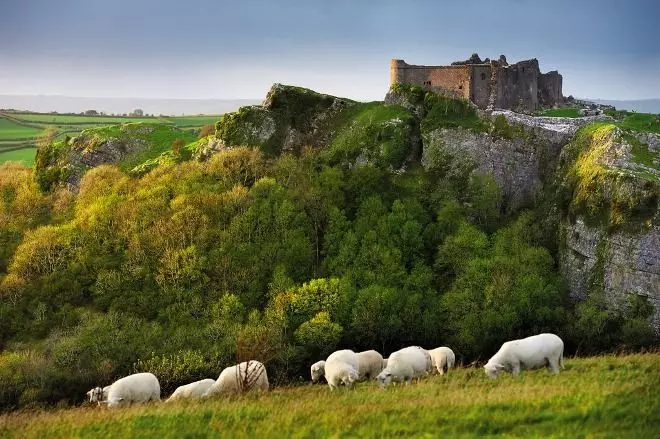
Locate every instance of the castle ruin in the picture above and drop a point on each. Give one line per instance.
(488, 84)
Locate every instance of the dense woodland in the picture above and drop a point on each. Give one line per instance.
(196, 265)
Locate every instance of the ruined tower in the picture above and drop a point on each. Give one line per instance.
(496, 84)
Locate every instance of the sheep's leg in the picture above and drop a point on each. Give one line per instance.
(553, 366)
(515, 369)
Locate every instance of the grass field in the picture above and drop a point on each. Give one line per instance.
(560, 112)
(19, 130)
(25, 155)
(193, 121)
(11, 130)
(67, 119)
(596, 397)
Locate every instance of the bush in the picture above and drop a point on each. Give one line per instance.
(182, 367)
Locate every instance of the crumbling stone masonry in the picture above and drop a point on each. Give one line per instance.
(488, 84)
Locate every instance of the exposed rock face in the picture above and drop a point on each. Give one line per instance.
(207, 149)
(289, 118)
(88, 151)
(520, 164)
(610, 231)
(131, 146)
(621, 264)
(515, 164)
(557, 130)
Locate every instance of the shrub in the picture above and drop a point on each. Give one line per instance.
(182, 367)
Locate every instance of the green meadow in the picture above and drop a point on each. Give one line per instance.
(18, 131)
(607, 396)
(23, 155)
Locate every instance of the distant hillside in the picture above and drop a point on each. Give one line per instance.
(70, 104)
(640, 106)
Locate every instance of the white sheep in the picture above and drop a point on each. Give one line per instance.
(341, 367)
(370, 363)
(192, 390)
(139, 387)
(404, 365)
(427, 355)
(243, 377)
(384, 363)
(318, 370)
(98, 395)
(443, 359)
(543, 350)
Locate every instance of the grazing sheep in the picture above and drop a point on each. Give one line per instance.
(98, 395)
(341, 367)
(404, 365)
(192, 390)
(370, 363)
(543, 350)
(243, 377)
(443, 359)
(318, 370)
(429, 360)
(139, 387)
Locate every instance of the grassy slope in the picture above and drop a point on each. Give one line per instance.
(601, 396)
(26, 156)
(158, 141)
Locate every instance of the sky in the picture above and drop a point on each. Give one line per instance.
(217, 49)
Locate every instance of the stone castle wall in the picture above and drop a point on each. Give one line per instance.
(516, 86)
(492, 84)
(454, 81)
(481, 84)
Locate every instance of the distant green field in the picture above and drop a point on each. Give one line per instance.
(63, 119)
(25, 155)
(196, 121)
(66, 119)
(560, 112)
(593, 397)
(18, 130)
(642, 122)
(10, 130)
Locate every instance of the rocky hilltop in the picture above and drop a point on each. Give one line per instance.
(135, 147)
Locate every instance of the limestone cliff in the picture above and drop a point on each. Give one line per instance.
(610, 225)
(604, 179)
(520, 151)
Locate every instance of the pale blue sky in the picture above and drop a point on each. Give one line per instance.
(237, 49)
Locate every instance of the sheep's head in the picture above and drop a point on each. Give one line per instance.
(492, 370)
(384, 379)
(117, 402)
(95, 395)
(318, 370)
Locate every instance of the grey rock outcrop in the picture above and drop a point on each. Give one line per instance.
(520, 165)
(619, 263)
(515, 164)
(559, 130)
(208, 148)
(89, 151)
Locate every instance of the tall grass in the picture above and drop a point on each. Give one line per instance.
(607, 396)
